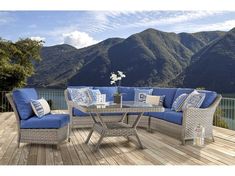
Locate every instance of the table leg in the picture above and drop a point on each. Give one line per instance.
(89, 136)
(137, 120)
(138, 139)
(123, 117)
(99, 142)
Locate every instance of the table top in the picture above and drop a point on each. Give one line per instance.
(126, 106)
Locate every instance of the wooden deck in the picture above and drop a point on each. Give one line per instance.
(160, 149)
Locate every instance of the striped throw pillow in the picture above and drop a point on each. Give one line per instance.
(40, 107)
(179, 102)
(194, 100)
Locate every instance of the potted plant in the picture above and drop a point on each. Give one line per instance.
(117, 77)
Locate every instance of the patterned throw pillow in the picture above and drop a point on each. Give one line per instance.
(140, 94)
(155, 100)
(40, 107)
(93, 94)
(80, 96)
(195, 100)
(179, 102)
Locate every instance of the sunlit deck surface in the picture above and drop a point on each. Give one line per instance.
(160, 149)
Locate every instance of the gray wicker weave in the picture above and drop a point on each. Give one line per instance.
(38, 136)
(191, 117)
(194, 116)
(120, 128)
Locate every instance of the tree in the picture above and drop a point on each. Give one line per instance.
(17, 62)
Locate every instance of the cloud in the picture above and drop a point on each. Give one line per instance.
(223, 26)
(37, 38)
(78, 39)
(105, 20)
(190, 27)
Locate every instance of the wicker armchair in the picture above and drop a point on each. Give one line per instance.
(35, 135)
(194, 116)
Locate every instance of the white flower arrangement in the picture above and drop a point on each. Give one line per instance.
(117, 77)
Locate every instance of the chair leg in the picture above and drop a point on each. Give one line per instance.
(213, 139)
(99, 142)
(89, 136)
(183, 141)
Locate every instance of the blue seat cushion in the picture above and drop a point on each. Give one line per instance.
(22, 99)
(50, 121)
(209, 99)
(109, 91)
(137, 113)
(168, 92)
(169, 116)
(181, 91)
(77, 112)
(159, 115)
(128, 93)
(173, 117)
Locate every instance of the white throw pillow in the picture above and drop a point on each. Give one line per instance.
(80, 96)
(155, 100)
(40, 107)
(194, 99)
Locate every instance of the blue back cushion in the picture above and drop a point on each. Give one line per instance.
(210, 98)
(128, 93)
(181, 91)
(22, 99)
(168, 92)
(109, 91)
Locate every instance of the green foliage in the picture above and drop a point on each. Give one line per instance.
(218, 121)
(16, 62)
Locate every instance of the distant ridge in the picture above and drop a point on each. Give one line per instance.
(148, 58)
(213, 67)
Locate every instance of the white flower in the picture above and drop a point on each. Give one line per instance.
(113, 77)
(121, 74)
(116, 77)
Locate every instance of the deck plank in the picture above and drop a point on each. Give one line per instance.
(160, 149)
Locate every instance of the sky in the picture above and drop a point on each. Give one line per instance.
(84, 28)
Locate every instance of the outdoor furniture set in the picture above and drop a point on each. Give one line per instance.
(114, 119)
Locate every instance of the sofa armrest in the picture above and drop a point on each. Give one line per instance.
(194, 116)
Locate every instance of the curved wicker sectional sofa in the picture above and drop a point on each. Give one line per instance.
(177, 124)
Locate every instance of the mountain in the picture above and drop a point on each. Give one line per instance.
(61, 62)
(212, 67)
(151, 57)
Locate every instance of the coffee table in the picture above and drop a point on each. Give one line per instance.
(119, 128)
